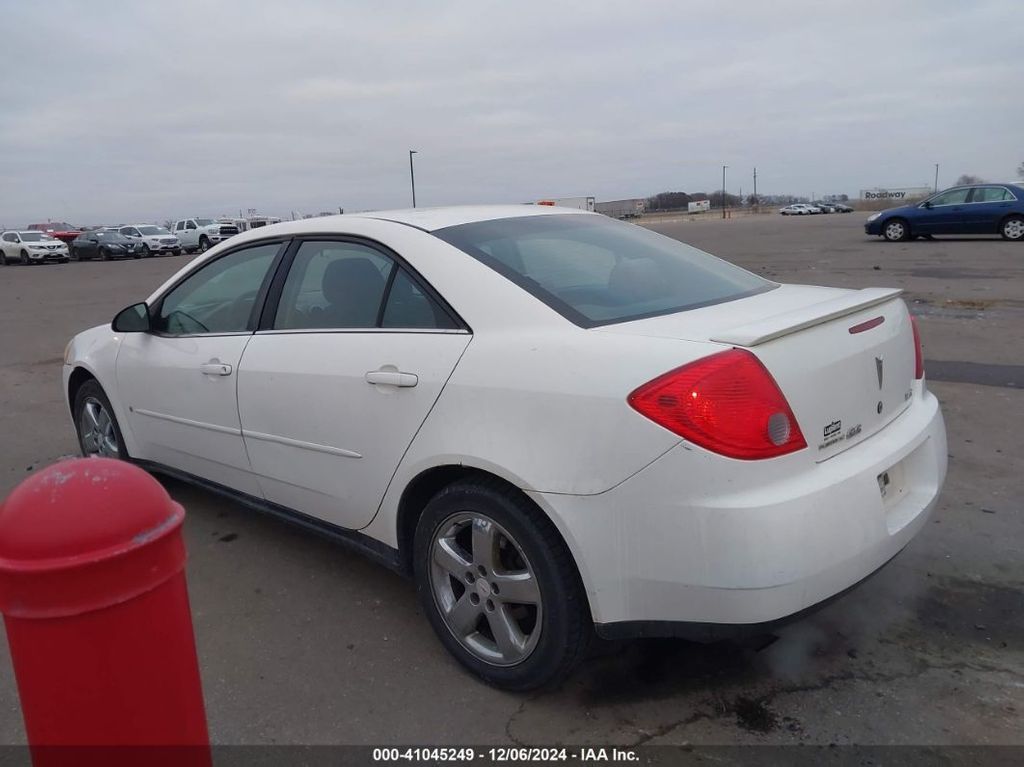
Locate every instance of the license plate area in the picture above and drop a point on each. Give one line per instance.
(892, 484)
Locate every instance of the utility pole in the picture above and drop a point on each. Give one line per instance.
(757, 202)
(936, 177)
(412, 177)
(723, 190)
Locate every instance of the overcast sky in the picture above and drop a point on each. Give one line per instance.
(150, 110)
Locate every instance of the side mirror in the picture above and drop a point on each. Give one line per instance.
(928, 203)
(134, 319)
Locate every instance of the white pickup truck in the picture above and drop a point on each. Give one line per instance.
(202, 233)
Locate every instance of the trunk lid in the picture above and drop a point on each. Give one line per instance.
(843, 359)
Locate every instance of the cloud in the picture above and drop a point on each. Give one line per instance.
(155, 110)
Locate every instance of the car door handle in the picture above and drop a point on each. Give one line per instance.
(215, 368)
(392, 378)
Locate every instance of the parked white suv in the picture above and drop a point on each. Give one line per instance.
(202, 233)
(154, 239)
(31, 248)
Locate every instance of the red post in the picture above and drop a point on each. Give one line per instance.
(92, 590)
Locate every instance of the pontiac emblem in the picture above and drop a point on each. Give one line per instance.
(878, 369)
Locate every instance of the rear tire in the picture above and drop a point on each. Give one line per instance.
(1012, 228)
(478, 534)
(896, 230)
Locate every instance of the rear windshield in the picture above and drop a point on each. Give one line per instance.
(594, 270)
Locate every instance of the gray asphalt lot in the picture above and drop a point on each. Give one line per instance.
(301, 641)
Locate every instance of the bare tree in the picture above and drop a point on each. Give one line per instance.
(967, 178)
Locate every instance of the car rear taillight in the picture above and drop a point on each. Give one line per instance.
(918, 356)
(728, 403)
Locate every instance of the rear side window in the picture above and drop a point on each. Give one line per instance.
(991, 194)
(333, 285)
(596, 271)
(350, 286)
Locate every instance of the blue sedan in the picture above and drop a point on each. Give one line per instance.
(975, 209)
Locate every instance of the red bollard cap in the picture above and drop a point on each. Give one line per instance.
(86, 534)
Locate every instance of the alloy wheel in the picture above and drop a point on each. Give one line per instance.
(97, 429)
(485, 589)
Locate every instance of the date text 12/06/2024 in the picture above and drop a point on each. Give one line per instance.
(502, 754)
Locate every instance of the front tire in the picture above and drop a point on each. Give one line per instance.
(204, 244)
(499, 586)
(24, 258)
(144, 253)
(95, 423)
(896, 230)
(1012, 228)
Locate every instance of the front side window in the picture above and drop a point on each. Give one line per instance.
(190, 225)
(179, 226)
(595, 271)
(952, 197)
(991, 194)
(220, 296)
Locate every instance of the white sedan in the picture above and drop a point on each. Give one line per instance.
(31, 248)
(552, 420)
(799, 209)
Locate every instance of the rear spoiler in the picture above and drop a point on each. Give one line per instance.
(784, 324)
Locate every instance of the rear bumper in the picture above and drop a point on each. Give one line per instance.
(699, 539)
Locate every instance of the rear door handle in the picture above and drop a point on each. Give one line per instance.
(392, 378)
(215, 368)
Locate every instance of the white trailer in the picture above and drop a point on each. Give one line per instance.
(701, 206)
(580, 203)
(632, 208)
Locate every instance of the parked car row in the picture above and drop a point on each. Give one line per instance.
(62, 242)
(973, 209)
(810, 209)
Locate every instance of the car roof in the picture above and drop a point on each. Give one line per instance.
(432, 219)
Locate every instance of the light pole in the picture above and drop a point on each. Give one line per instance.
(756, 201)
(936, 177)
(723, 190)
(412, 177)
